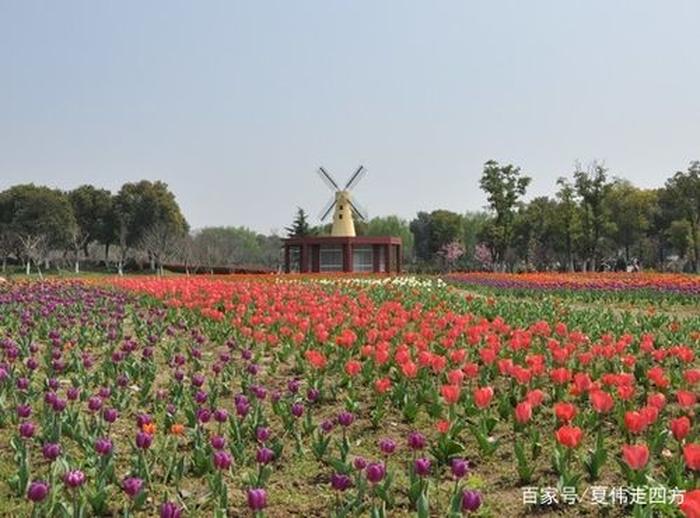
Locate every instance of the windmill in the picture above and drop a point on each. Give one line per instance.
(345, 207)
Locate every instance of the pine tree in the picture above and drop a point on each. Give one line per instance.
(300, 227)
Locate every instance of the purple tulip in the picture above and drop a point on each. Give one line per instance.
(359, 463)
(170, 510)
(73, 393)
(132, 486)
(340, 482)
(203, 415)
(22, 384)
(264, 456)
(51, 451)
(38, 490)
(218, 442)
(327, 426)
(94, 403)
(416, 441)
(257, 499)
(59, 405)
(459, 467)
(297, 409)
(222, 459)
(103, 446)
(345, 419)
(422, 467)
(110, 414)
(293, 385)
(375, 472)
(242, 408)
(26, 430)
(312, 395)
(24, 411)
(262, 434)
(387, 446)
(74, 478)
(220, 415)
(144, 440)
(471, 500)
(143, 419)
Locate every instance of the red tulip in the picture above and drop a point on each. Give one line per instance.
(523, 412)
(636, 456)
(635, 422)
(483, 396)
(382, 385)
(691, 454)
(569, 436)
(535, 397)
(680, 427)
(450, 393)
(353, 367)
(691, 504)
(443, 426)
(601, 401)
(565, 412)
(686, 399)
(658, 400)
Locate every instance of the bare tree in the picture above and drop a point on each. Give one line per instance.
(160, 241)
(78, 242)
(34, 249)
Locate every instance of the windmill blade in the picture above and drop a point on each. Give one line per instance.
(326, 209)
(327, 179)
(356, 177)
(359, 210)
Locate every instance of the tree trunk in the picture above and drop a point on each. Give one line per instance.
(28, 267)
(106, 255)
(77, 266)
(696, 246)
(120, 268)
(4, 263)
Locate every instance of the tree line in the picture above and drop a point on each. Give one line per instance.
(140, 226)
(593, 221)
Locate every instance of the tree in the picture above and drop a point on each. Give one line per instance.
(679, 236)
(633, 210)
(566, 219)
(682, 197)
(142, 206)
(445, 227)
(393, 226)
(161, 242)
(592, 187)
(450, 253)
(300, 227)
(533, 232)
(96, 220)
(39, 218)
(472, 224)
(504, 186)
(420, 228)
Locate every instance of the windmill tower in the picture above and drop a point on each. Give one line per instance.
(343, 206)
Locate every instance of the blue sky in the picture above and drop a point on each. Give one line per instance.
(235, 104)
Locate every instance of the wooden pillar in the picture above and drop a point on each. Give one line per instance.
(399, 257)
(304, 258)
(375, 258)
(315, 258)
(387, 258)
(347, 257)
(287, 257)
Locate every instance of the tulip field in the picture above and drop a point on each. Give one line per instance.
(342, 396)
